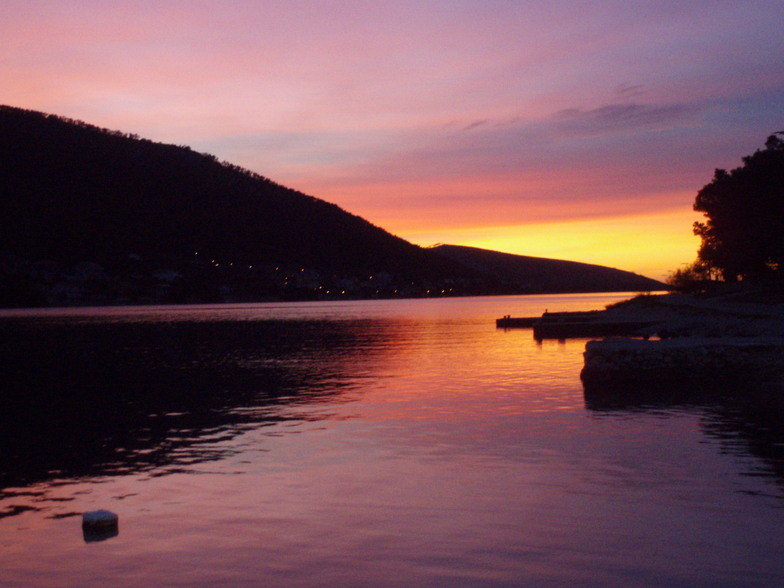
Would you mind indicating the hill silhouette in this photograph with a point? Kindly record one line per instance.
(543, 275)
(92, 215)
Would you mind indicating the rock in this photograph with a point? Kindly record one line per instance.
(703, 361)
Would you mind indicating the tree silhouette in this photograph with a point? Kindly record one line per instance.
(743, 236)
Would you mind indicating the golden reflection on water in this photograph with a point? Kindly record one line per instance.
(380, 443)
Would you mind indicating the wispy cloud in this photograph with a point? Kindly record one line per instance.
(626, 116)
(475, 124)
(626, 91)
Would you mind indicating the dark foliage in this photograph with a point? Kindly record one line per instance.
(743, 236)
(696, 277)
(91, 215)
(78, 192)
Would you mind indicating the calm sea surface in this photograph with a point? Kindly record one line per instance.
(372, 443)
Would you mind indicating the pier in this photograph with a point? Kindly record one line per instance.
(566, 325)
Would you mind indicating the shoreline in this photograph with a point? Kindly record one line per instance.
(693, 342)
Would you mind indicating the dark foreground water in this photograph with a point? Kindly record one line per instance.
(389, 443)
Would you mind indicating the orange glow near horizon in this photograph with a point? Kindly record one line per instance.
(651, 245)
(526, 129)
(594, 229)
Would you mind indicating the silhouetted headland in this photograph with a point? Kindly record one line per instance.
(95, 216)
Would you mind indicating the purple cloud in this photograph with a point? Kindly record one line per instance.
(622, 117)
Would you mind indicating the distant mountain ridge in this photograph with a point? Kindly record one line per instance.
(540, 274)
(162, 222)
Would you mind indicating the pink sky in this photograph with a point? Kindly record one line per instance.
(575, 130)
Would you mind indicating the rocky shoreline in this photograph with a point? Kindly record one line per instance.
(691, 341)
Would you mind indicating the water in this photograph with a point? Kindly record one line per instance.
(383, 443)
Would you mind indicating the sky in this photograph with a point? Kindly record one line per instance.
(577, 130)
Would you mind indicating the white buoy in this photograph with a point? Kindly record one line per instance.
(99, 519)
(99, 525)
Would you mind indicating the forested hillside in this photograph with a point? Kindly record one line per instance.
(91, 215)
(79, 192)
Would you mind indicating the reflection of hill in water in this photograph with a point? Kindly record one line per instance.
(98, 398)
(746, 421)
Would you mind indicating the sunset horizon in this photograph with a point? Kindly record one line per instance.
(524, 128)
(407, 293)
